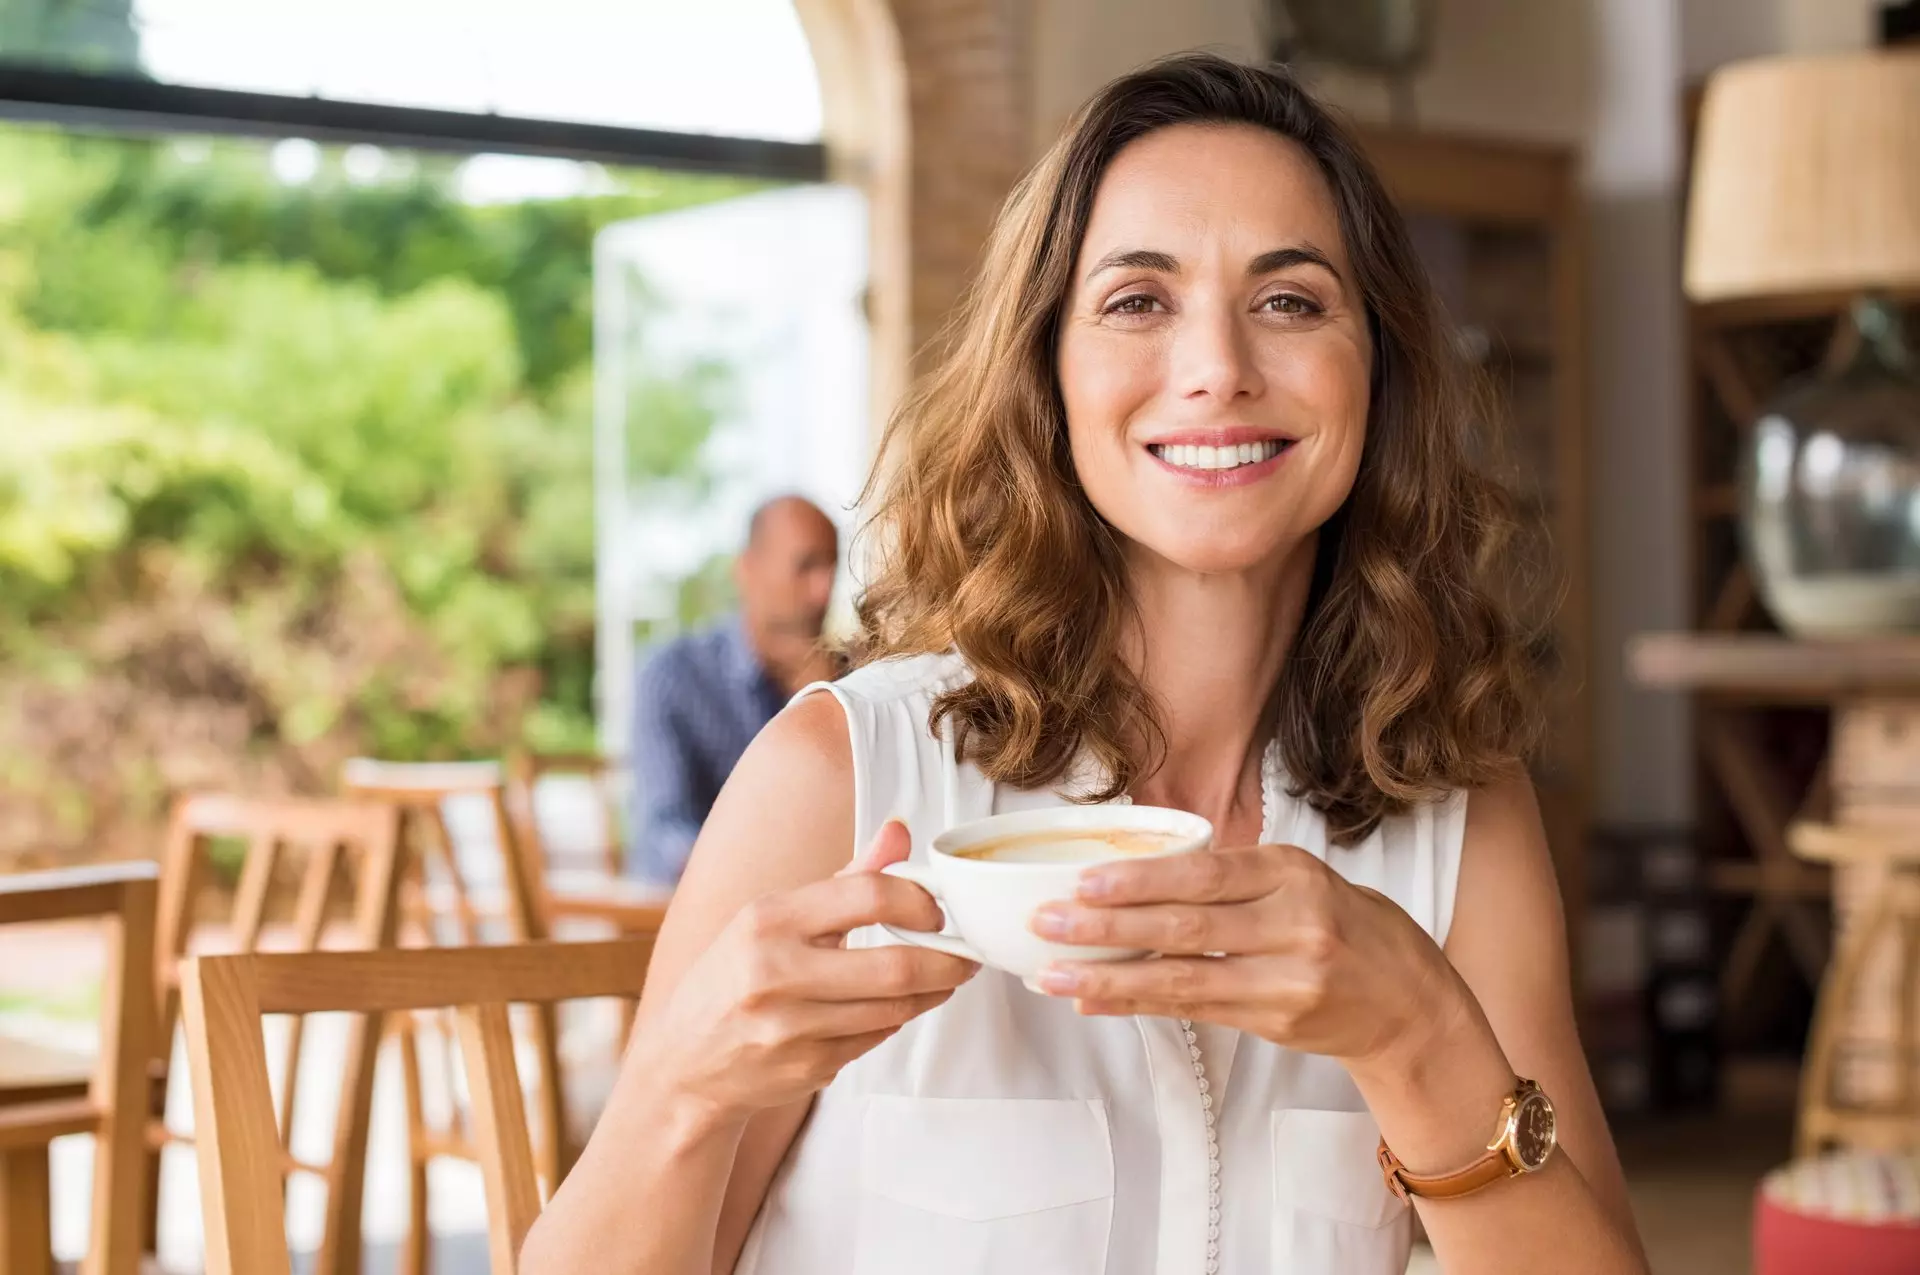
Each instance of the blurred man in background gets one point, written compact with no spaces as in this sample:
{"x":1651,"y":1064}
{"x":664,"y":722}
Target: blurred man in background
{"x":701,"y":698}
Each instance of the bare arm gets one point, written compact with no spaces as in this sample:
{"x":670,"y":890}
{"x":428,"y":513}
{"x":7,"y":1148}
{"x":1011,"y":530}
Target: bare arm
{"x":1508,"y":943}
{"x":750,"y":1008}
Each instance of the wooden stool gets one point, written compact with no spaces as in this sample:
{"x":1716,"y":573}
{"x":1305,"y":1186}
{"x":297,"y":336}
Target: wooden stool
{"x":1827,"y":1118}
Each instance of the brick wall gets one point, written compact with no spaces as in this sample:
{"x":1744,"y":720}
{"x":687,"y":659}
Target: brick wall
{"x":968,"y":136}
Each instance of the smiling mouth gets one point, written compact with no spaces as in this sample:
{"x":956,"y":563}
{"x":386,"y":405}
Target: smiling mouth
{"x":1230,"y":457}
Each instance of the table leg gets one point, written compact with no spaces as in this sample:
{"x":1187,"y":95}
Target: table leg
{"x":26,"y":1239}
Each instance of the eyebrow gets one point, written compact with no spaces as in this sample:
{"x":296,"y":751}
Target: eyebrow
{"x":1265,"y":263}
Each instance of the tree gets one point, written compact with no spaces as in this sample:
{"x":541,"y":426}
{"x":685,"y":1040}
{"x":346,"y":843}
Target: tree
{"x":290,"y":473}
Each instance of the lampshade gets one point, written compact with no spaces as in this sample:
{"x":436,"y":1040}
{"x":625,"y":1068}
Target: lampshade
{"x":1806,"y":178}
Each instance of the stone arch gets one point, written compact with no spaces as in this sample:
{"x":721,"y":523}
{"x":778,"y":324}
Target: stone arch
{"x":924,"y":108}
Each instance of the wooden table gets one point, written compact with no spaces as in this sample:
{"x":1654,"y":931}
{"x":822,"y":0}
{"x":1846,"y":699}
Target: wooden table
{"x":31,"y":1073}
{"x":1871,"y":776}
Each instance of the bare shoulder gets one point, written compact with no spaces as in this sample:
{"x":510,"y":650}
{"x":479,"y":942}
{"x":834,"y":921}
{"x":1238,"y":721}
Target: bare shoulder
{"x":1507,"y":892}
{"x":785,"y":816}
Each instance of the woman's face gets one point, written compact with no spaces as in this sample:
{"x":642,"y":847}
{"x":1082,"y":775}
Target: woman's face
{"x":1214,"y":356}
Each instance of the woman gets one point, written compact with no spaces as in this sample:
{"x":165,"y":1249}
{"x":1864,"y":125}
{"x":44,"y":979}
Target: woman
{"x":1185,"y":517}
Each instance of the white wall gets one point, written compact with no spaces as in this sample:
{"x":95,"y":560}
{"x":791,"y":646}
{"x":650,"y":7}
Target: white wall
{"x":1637,"y":398}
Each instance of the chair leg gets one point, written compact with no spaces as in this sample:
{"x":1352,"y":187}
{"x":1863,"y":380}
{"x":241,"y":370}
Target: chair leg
{"x":26,"y":1239}
{"x":150,"y":1224}
{"x":413,"y":1254}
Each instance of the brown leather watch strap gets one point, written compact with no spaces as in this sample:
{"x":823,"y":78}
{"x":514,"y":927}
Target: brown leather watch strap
{"x":1485,"y":1171}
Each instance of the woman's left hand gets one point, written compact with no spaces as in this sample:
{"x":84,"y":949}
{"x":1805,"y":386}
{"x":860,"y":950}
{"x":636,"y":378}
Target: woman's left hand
{"x":1267,"y":939}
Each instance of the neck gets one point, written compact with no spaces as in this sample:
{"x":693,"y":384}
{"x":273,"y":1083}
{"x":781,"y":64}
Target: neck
{"x":1209,"y":649}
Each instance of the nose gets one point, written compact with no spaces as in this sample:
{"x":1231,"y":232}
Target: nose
{"x":1213,"y":355}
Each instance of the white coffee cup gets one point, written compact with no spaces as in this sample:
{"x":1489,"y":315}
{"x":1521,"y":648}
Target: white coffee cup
{"x":989,"y":903}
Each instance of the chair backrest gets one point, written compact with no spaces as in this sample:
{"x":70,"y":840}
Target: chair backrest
{"x":601,"y":780}
{"x":446,"y":901}
{"x":115,"y":1106}
{"x":352,"y":851}
{"x":225,"y":997}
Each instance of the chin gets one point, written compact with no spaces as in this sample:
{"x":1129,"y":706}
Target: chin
{"x":1229,"y":552}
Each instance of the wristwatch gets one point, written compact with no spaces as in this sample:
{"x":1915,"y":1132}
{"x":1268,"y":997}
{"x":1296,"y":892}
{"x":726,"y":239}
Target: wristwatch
{"x":1522,"y":1143}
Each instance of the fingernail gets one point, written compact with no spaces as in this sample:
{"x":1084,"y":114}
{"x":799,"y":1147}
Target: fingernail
{"x":1058,"y":981}
{"x":1095,"y":885}
{"x":1050,"y":922}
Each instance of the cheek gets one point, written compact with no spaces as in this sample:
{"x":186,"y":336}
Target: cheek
{"x":1333,"y":390}
{"x":1103,"y":384}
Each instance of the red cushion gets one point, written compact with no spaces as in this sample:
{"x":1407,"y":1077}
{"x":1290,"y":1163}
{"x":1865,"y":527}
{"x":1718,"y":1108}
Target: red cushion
{"x":1854,"y":1211}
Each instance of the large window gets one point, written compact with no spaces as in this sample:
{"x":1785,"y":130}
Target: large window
{"x":298,"y":447}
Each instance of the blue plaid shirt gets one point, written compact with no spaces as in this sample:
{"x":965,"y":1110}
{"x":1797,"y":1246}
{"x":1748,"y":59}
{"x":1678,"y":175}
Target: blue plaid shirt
{"x":698,"y":703}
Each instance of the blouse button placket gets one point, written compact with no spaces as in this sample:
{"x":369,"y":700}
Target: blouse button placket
{"x":1213,"y":1145}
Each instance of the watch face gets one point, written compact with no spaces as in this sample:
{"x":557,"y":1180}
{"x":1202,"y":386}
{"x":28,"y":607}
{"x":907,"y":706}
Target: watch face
{"x":1533,"y":1132}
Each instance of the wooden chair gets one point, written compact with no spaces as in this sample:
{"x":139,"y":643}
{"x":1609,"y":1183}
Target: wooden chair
{"x":114,"y":1106}
{"x":1882,"y":940}
{"x":441,"y":907}
{"x":233,"y":1105}
{"x":351,"y":849}
{"x":273,"y":832}
{"x":602,"y":776}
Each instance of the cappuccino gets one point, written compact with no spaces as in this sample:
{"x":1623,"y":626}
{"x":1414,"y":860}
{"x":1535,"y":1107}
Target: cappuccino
{"x":1076,"y":845}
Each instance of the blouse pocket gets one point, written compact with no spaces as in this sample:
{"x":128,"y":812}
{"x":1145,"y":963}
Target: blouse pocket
{"x":1332,"y":1211}
{"x":977,"y":1185}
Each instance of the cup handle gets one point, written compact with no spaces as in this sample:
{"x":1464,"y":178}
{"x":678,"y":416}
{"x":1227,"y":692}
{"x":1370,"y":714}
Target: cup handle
{"x":952,"y":945}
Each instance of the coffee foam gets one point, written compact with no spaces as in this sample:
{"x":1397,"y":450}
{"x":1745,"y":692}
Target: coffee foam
{"x":1073,"y":845}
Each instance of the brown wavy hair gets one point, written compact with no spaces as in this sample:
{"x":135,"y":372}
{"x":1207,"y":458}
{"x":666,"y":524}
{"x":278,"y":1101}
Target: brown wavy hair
{"x":1409,"y":677}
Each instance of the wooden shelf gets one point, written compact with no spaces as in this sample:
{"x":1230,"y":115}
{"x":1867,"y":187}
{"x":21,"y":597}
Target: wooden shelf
{"x":1766,"y":668}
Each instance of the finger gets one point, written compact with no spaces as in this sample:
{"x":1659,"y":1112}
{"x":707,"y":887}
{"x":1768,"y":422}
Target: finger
{"x":891,"y":844}
{"x":1204,"y":876}
{"x":872,"y":973}
{"x":842,"y":903}
{"x":1170,"y":980}
{"x":834,"y":1020}
{"x":1180,"y":928}
{"x":838,"y":1053}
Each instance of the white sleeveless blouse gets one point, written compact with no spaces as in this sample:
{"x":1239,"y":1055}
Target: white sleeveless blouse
{"x":1003,"y":1134}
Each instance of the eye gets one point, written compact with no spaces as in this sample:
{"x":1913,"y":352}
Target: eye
{"x":1288,"y":303}
{"x":1137,"y":303}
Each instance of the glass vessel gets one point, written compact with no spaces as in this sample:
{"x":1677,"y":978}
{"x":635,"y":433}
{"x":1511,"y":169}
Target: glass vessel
{"x":1830,"y":497}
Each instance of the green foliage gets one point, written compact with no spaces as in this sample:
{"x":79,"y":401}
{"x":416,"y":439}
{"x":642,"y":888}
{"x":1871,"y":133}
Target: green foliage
{"x":292,"y":472}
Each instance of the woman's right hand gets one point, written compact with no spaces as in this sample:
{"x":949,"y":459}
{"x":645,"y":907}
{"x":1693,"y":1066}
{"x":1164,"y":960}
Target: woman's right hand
{"x":776,"y":1006}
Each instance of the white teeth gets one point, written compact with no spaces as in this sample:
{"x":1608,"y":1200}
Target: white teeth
{"x":1189,"y":456}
